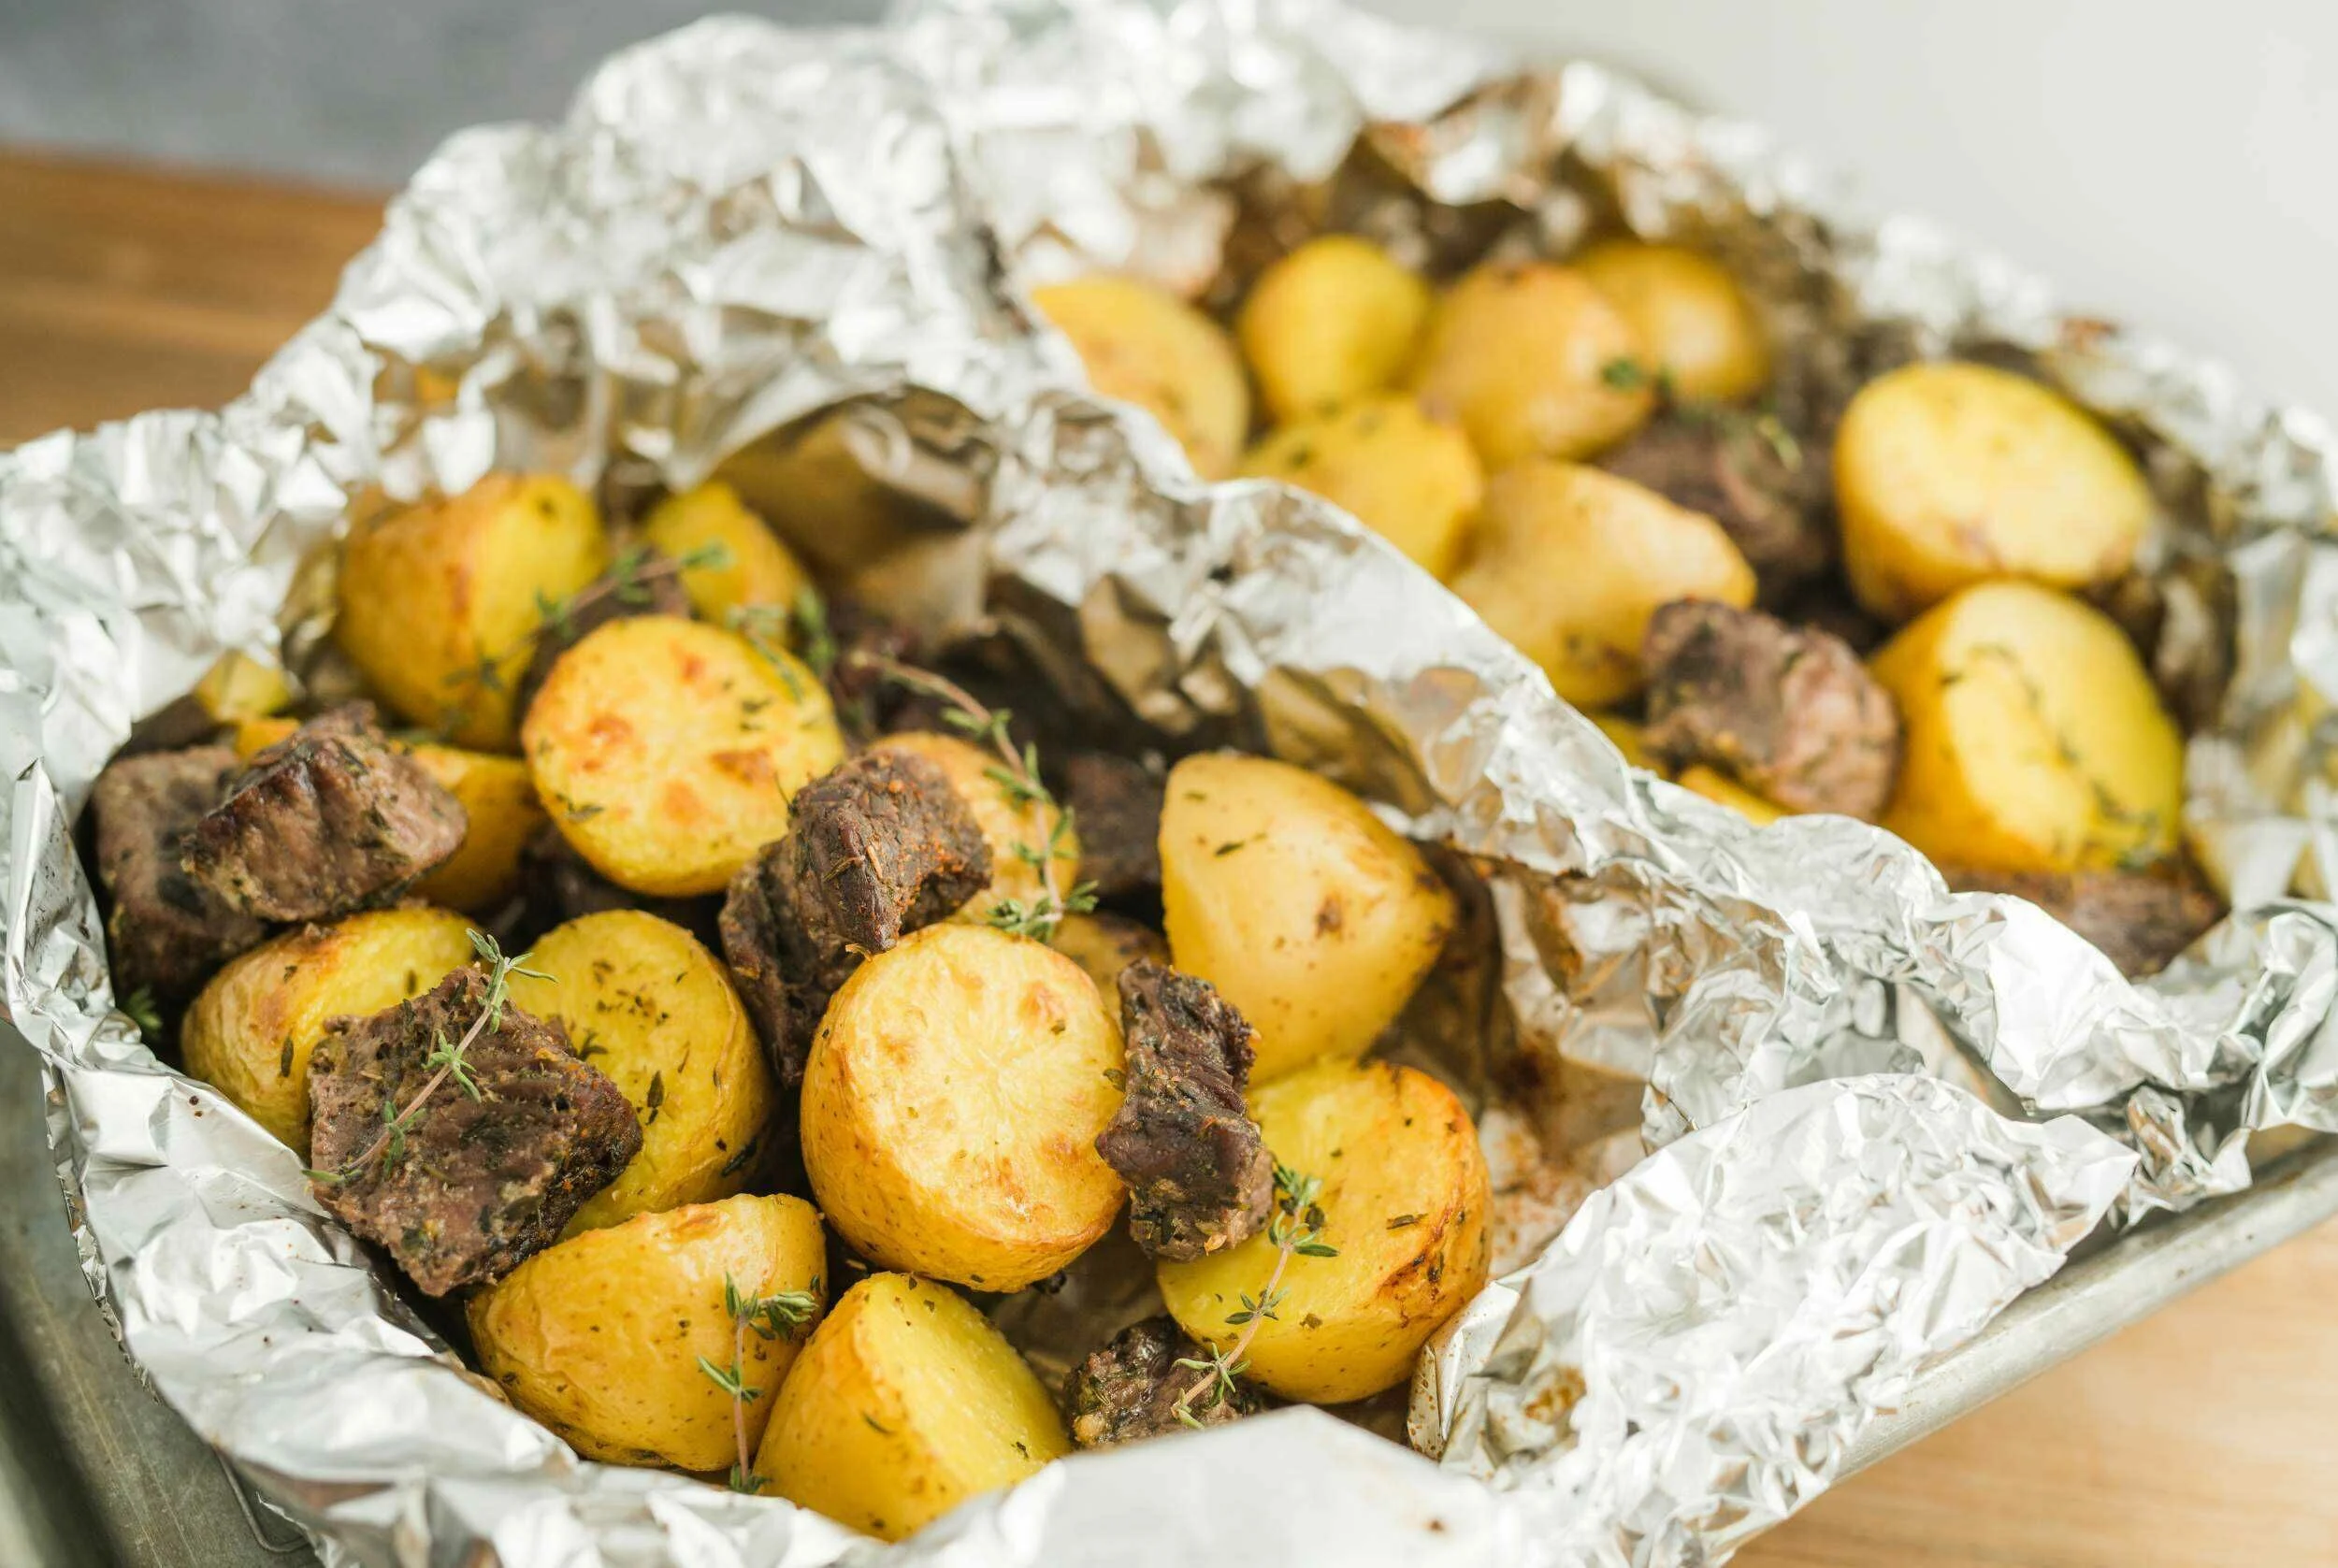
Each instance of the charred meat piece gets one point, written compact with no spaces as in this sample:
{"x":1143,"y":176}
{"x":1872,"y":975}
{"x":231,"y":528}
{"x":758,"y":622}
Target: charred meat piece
{"x":168,"y":932}
{"x":1199,"y":1175}
{"x":1115,"y":808}
{"x":879,"y":847}
{"x":1790,"y":713}
{"x":1128,"y":1389}
{"x":470,"y":1188}
{"x":870,"y":703}
{"x":329,"y":819}
{"x":2140,"y":919}
{"x":643,"y":584}
{"x":1767,"y":492}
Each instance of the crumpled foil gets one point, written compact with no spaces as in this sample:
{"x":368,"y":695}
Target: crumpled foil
{"x":1882,"y":1111}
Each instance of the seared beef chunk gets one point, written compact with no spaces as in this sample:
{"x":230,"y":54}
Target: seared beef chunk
{"x":1199,"y":1175}
{"x":168,"y":932}
{"x":1769,"y":494}
{"x":880,"y":846}
{"x":329,"y":819}
{"x":643,"y":585}
{"x":1791,"y":714}
{"x":471,"y":1188}
{"x":1115,"y":808}
{"x":868,"y":702}
{"x":1128,"y":1389}
{"x":2140,"y":919}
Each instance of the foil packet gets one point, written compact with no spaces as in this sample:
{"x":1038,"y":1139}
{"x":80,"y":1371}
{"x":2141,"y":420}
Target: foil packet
{"x":1880,"y":1110}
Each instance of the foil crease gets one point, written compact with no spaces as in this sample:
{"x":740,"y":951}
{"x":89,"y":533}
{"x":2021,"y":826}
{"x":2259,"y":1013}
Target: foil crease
{"x":740,"y":225}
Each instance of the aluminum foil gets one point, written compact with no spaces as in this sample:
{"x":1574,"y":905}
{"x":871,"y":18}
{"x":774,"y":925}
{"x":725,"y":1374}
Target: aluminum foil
{"x":1883,"y":1111}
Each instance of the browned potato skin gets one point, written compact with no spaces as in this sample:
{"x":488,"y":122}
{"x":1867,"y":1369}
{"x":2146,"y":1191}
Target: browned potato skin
{"x":1142,"y":344}
{"x":1333,"y":321}
{"x":1414,"y":482}
{"x":1697,"y":327}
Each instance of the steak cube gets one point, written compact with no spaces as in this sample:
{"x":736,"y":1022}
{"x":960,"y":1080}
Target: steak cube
{"x":1116,"y":809}
{"x":167,"y":931}
{"x":2140,"y":919}
{"x":1770,"y":495}
{"x":1128,"y":1389}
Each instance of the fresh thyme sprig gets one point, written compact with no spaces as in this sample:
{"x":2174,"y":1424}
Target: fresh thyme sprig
{"x":773,"y":1317}
{"x":1297,"y":1230}
{"x":449,"y":1059}
{"x":1048,"y":837}
{"x":1627,"y":374}
{"x":801,"y":625}
{"x":140,"y":1008}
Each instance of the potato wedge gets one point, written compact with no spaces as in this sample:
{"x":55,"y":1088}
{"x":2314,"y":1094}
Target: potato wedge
{"x":1412,"y":481}
{"x":1948,"y":474}
{"x":1723,"y":790}
{"x":1523,"y":356}
{"x":951,"y":1106}
{"x":1104,"y":945}
{"x":2036,"y":741}
{"x":1285,"y":893}
{"x":1694,"y":324}
{"x":600,"y":1336}
{"x":1142,"y":344}
{"x":1008,"y":829}
{"x":1404,"y":1200}
{"x":650,"y":1007}
{"x":905,"y":1403}
{"x":755,"y":569}
{"x":440,"y":603}
{"x":1569,"y":563}
{"x":666,"y":749}
{"x":1335,"y":320}
{"x":250,"y":1032}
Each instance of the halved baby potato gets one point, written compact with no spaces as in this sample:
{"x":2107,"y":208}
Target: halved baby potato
{"x":1335,"y":320}
{"x":905,"y":1403}
{"x":1696,"y":324}
{"x":250,"y":1032}
{"x":600,"y":1336}
{"x":666,"y":749}
{"x":1142,"y":344}
{"x":1412,"y":481}
{"x":1284,"y":891}
{"x":1015,"y":833}
{"x":755,"y":567}
{"x":951,"y":1105}
{"x":645,"y":1003}
{"x":1404,"y":1200}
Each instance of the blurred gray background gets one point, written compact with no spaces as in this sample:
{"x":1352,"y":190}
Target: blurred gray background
{"x":2169,"y":162}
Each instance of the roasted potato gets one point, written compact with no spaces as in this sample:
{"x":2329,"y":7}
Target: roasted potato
{"x":1285,"y":893}
{"x":1531,"y":361}
{"x":238,"y":687}
{"x":440,"y":603}
{"x":250,"y":1032}
{"x":650,"y":1007}
{"x":755,"y":569}
{"x":905,"y":1403}
{"x":1569,"y":563}
{"x":601,"y":1336}
{"x":1105,"y":944}
{"x":1011,"y":830}
{"x":1404,"y":1202}
{"x":1696,"y":327}
{"x":1947,"y":474}
{"x":1143,"y":345}
{"x":2035,"y":738}
{"x":1723,"y":790}
{"x":666,"y":749}
{"x":1333,"y":321}
{"x":1414,"y":482}
{"x":951,"y":1106}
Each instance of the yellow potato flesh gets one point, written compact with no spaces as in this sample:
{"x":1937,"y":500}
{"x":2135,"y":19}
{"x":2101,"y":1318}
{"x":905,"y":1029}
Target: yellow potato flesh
{"x":951,"y":1105}
{"x":1722,"y":790}
{"x":1409,"y":478}
{"x":1104,"y":945}
{"x":754,"y":567}
{"x":1335,"y":319}
{"x":905,"y":1403}
{"x":1697,"y":327}
{"x":600,"y":1337}
{"x":1404,"y":1200}
{"x":1142,"y":344}
{"x":1285,"y":893}
{"x":239,"y":686}
{"x":1008,"y":829}
{"x":503,"y":813}
{"x":647,"y":1005}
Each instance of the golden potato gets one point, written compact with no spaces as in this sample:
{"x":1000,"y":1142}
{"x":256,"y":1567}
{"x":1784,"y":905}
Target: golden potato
{"x":807,"y":485}
{"x":250,"y":1032}
{"x":499,"y":800}
{"x":1947,"y":474}
{"x":650,"y":1007}
{"x":1335,"y":319}
{"x":440,"y":603}
{"x":255,"y":735}
{"x":757,"y":568}
{"x":905,"y":1403}
{"x":1569,"y":563}
{"x":1104,"y":945}
{"x":1008,"y":829}
{"x":666,"y":749}
{"x":1629,"y":737}
{"x":1285,"y":893}
{"x":2035,"y":739}
{"x":951,"y":1106}
{"x":1404,"y":1200}
{"x":1143,"y":345}
{"x":1695,"y":325}
{"x":1723,"y":790}
{"x":1411,"y":480}
{"x":1525,"y":356}
{"x":238,"y":687}
{"x":600,"y":1337}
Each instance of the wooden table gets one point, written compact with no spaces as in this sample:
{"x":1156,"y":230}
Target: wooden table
{"x":2206,"y":1436}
